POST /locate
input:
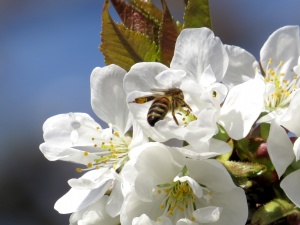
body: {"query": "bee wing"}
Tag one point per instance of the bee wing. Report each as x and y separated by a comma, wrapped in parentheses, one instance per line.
(159, 91)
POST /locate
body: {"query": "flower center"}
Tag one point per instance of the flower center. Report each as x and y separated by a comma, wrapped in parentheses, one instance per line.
(278, 88)
(180, 199)
(112, 153)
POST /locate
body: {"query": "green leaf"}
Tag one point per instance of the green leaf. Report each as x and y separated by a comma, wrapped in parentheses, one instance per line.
(136, 20)
(272, 211)
(197, 14)
(222, 134)
(242, 148)
(264, 130)
(168, 36)
(122, 46)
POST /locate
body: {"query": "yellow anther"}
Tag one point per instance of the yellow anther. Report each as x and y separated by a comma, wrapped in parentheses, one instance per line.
(162, 206)
(93, 139)
(86, 153)
(116, 133)
(281, 63)
(95, 145)
(270, 60)
(193, 218)
(158, 191)
(97, 128)
(97, 167)
(295, 77)
(79, 170)
(89, 165)
(282, 74)
(114, 166)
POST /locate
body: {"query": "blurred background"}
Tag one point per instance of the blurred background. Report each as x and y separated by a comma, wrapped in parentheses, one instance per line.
(47, 51)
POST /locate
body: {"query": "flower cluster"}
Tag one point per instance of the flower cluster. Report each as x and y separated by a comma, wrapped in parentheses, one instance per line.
(161, 158)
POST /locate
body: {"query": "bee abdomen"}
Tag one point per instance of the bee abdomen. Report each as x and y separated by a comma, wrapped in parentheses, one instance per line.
(158, 110)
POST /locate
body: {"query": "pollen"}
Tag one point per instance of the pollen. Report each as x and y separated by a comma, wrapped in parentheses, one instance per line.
(276, 80)
(79, 170)
(89, 165)
(85, 153)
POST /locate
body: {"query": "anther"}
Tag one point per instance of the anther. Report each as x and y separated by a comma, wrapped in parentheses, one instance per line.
(79, 170)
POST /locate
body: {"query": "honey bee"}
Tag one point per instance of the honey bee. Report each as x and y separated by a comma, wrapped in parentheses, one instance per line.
(164, 101)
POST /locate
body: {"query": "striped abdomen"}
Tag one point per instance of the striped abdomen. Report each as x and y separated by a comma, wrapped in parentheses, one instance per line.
(158, 110)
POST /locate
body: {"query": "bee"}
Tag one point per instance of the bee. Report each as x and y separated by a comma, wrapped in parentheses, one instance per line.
(164, 101)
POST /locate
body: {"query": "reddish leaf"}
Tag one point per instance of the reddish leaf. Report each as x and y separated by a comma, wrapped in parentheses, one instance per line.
(134, 19)
(168, 35)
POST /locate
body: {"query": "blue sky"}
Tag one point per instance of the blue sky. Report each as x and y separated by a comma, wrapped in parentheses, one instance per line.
(47, 52)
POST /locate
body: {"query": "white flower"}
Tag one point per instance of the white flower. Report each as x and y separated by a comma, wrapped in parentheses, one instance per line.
(76, 137)
(279, 65)
(94, 214)
(199, 56)
(184, 190)
(279, 56)
(197, 68)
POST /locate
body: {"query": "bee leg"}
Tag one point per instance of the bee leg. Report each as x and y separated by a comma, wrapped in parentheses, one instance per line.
(173, 112)
(186, 105)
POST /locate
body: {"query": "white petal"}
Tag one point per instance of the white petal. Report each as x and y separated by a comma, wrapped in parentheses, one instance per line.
(234, 207)
(92, 179)
(143, 186)
(138, 136)
(208, 214)
(205, 150)
(94, 215)
(241, 67)
(143, 220)
(75, 200)
(108, 96)
(170, 78)
(195, 49)
(290, 184)
(282, 45)
(115, 201)
(291, 119)
(186, 222)
(164, 168)
(297, 149)
(208, 77)
(134, 207)
(242, 107)
(141, 77)
(280, 148)
(210, 173)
